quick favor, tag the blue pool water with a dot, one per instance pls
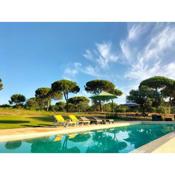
(115, 140)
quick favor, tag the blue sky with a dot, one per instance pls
(34, 55)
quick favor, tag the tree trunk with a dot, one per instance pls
(112, 106)
(100, 106)
(48, 105)
(66, 98)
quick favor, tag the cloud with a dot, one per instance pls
(90, 70)
(105, 54)
(156, 57)
(147, 50)
(72, 70)
(102, 54)
(88, 54)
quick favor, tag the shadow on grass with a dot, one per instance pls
(13, 121)
(45, 119)
(39, 125)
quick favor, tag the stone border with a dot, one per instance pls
(155, 144)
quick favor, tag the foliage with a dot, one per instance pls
(59, 106)
(157, 82)
(78, 100)
(65, 87)
(169, 92)
(43, 97)
(162, 86)
(5, 106)
(163, 110)
(32, 103)
(80, 103)
(108, 107)
(144, 96)
(97, 86)
(121, 108)
(1, 85)
(18, 99)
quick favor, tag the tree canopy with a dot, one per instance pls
(78, 100)
(43, 97)
(65, 87)
(97, 86)
(143, 96)
(32, 103)
(79, 103)
(157, 82)
(1, 85)
(18, 99)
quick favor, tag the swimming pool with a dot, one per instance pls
(114, 140)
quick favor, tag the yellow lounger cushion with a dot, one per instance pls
(73, 118)
(59, 118)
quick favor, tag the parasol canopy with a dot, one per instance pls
(104, 96)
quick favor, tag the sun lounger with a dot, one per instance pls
(96, 120)
(109, 120)
(61, 121)
(85, 120)
(74, 119)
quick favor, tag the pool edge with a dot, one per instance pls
(35, 133)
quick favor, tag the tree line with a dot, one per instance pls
(155, 94)
(62, 89)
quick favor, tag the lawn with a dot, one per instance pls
(21, 118)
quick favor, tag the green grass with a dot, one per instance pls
(15, 118)
(21, 118)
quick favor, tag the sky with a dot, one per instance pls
(34, 55)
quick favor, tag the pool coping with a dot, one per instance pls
(31, 133)
(159, 145)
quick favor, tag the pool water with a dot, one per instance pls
(115, 140)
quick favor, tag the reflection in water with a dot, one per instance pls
(13, 145)
(123, 139)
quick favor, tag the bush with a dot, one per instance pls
(5, 106)
(121, 108)
(60, 106)
(163, 109)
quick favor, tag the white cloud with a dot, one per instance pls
(72, 70)
(147, 50)
(88, 54)
(105, 56)
(156, 57)
(102, 54)
(126, 50)
(90, 70)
